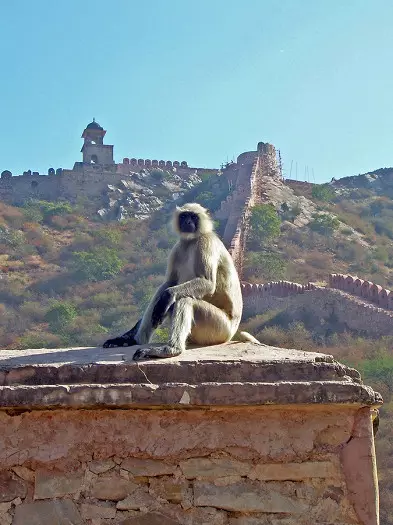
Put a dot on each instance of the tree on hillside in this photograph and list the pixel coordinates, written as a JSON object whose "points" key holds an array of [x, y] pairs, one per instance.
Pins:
{"points": [[265, 223], [323, 192], [60, 314], [98, 264], [324, 223]]}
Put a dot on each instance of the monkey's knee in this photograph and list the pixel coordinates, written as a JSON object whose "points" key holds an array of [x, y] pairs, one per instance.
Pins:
{"points": [[209, 327]]}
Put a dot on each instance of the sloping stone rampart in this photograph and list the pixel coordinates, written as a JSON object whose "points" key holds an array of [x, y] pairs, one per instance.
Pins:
{"points": [[352, 313], [234, 434], [363, 289]]}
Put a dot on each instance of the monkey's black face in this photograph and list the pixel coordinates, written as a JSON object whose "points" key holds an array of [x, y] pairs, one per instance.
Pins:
{"points": [[188, 222]]}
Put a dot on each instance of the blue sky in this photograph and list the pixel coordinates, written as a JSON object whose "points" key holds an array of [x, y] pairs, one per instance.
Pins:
{"points": [[199, 81]]}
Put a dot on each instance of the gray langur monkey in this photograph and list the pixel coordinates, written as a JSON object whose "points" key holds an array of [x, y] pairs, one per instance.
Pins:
{"points": [[201, 292]]}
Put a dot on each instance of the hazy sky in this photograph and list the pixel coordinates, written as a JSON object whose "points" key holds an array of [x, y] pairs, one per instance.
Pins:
{"points": [[200, 81]]}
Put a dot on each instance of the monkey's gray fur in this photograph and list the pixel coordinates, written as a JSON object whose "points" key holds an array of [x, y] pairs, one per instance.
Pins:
{"points": [[201, 292]]}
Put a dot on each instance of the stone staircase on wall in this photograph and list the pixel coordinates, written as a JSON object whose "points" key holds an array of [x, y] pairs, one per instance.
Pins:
{"points": [[252, 167]]}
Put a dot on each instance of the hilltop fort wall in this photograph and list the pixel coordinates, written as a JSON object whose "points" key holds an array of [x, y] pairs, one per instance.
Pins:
{"points": [[88, 179], [84, 181], [247, 176], [333, 305], [364, 289]]}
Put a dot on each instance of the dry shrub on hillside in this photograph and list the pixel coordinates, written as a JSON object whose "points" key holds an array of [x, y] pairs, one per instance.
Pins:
{"points": [[35, 262], [296, 336], [32, 311], [320, 260], [36, 339], [11, 215], [68, 221]]}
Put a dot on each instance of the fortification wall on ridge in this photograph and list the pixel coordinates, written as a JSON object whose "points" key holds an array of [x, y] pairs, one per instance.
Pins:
{"points": [[84, 180], [367, 290], [251, 167], [70, 185], [351, 312]]}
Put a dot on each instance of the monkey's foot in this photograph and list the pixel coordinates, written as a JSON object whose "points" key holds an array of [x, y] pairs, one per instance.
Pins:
{"points": [[157, 351], [119, 341]]}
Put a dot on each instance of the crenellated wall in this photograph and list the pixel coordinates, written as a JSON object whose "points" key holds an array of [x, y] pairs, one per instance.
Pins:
{"points": [[251, 167], [348, 312], [367, 290], [148, 163]]}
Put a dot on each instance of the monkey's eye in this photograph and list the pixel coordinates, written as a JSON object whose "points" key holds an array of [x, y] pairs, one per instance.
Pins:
{"points": [[188, 216]]}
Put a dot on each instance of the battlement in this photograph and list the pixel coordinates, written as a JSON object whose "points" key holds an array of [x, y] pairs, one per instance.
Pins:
{"points": [[148, 163], [250, 167], [354, 312], [276, 288], [362, 288]]}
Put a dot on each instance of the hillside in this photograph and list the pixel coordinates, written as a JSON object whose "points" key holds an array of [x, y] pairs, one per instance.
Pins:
{"points": [[67, 279], [54, 253]]}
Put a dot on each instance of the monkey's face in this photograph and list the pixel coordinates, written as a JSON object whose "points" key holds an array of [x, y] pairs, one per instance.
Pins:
{"points": [[188, 222]]}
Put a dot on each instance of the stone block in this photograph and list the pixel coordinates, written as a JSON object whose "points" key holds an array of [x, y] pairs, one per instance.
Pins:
{"points": [[247, 496], [4, 507], [210, 468], [112, 488], [252, 520], [24, 473], [53, 485], [101, 466], [59, 512], [5, 519], [150, 518], [294, 471], [333, 435], [173, 490], [147, 467], [11, 487], [90, 512], [139, 499]]}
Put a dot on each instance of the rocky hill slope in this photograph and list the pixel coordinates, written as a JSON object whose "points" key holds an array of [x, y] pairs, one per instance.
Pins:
{"points": [[54, 253], [71, 278]]}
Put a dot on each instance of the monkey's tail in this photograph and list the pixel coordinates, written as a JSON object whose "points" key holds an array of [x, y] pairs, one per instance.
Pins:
{"points": [[245, 337]]}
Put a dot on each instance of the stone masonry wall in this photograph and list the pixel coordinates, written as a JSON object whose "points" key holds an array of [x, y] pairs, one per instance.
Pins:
{"points": [[199, 467], [82, 182], [249, 193], [350, 312], [362, 288]]}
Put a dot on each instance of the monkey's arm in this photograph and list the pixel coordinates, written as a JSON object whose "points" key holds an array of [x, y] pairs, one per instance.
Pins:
{"points": [[151, 318], [205, 266], [155, 313]]}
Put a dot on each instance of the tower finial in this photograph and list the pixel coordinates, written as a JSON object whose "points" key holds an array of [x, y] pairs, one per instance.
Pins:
{"points": [[94, 119]]}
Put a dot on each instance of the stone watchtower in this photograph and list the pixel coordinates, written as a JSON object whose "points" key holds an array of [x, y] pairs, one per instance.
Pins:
{"points": [[94, 150]]}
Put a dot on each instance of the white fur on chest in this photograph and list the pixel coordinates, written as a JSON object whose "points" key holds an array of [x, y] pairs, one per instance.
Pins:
{"points": [[186, 269]]}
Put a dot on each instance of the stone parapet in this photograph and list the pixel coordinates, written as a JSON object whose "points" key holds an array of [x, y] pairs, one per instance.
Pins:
{"points": [[236, 434], [367, 290]]}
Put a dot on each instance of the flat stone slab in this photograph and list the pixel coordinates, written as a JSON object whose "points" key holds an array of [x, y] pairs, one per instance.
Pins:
{"points": [[230, 374]]}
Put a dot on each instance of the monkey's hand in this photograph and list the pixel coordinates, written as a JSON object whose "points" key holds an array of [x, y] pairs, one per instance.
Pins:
{"points": [[162, 306]]}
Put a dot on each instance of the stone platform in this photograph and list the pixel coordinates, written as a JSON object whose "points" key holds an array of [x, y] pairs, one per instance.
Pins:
{"points": [[235, 434], [231, 374]]}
